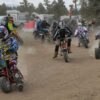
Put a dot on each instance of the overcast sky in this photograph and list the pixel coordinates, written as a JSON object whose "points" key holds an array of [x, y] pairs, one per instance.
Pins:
{"points": [[35, 2]]}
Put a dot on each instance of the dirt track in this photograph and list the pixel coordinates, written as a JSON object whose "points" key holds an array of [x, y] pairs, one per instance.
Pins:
{"points": [[49, 79]]}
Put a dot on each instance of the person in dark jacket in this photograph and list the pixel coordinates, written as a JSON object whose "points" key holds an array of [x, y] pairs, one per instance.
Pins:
{"points": [[42, 26], [59, 36]]}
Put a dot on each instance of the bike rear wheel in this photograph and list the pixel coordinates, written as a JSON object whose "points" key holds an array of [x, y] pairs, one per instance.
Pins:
{"points": [[5, 85], [66, 56]]}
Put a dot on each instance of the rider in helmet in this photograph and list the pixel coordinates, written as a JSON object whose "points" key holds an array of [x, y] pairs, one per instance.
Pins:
{"points": [[12, 48], [3, 31], [42, 26], [10, 25], [81, 30], [60, 34]]}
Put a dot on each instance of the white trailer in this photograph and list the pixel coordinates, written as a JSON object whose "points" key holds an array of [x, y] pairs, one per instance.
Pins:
{"points": [[19, 18]]}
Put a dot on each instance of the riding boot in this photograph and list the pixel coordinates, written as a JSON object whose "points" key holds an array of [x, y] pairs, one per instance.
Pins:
{"points": [[69, 50], [55, 54], [56, 51], [69, 45]]}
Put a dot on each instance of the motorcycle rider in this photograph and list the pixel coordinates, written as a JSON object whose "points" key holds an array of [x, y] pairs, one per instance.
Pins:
{"points": [[10, 25], [42, 26], [12, 48], [59, 36], [4, 31], [81, 30], [37, 21]]}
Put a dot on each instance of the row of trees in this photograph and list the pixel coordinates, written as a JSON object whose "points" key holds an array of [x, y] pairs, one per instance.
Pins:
{"points": [[90, 8], [56, 7], [3, 9]]}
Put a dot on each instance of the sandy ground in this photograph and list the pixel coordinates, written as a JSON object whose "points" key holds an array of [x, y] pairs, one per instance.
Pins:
{"points": [[49, 79]]}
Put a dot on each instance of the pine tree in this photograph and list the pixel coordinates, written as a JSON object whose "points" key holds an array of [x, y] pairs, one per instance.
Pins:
{"points": [[3, 9], [41, 9]]}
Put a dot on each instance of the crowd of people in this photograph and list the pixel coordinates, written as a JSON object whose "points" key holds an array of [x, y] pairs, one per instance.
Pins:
{"points": [[59, 30]]}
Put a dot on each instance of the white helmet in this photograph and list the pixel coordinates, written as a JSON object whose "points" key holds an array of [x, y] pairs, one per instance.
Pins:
{"points": [[79, 24]]}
